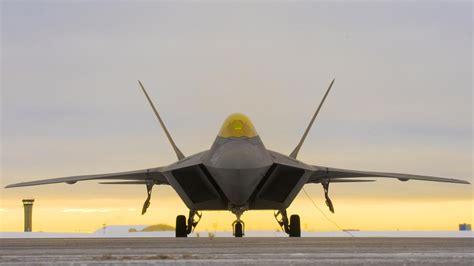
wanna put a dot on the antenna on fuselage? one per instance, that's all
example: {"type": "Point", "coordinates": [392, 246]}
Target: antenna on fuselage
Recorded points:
{"type": "Point", "coordinates": [175, 148]}
{"type": "Point", "coordinates": [294, 153]}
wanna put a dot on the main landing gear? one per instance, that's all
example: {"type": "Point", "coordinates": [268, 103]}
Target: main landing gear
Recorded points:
{"type": "Point", "coordinates": [183, 227]}
{"type": "Point", "coordinates": [291, 227]}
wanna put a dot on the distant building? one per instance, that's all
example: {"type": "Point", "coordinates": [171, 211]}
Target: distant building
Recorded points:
{"type": "Point", "coordinates": [28, 207]}
{"type": "Point", "coordinates": [464, 227]}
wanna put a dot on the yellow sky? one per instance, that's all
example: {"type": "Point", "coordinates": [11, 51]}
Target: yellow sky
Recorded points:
{"type": "Point", "coordinates": [80, 214]}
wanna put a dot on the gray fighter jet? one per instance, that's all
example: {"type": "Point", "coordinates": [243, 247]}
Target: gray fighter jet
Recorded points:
{"type": "Point", "coordinates": [237, 174]}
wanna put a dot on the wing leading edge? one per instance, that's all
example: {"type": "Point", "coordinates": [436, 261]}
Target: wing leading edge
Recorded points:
{"type": "Point", "coordinates": [323, 172]}
{"type": "Point", "coordinates": [152, 174]}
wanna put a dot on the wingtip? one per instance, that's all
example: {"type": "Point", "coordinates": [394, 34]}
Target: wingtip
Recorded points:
{"type": "Point", "coordinates": [460, 181]}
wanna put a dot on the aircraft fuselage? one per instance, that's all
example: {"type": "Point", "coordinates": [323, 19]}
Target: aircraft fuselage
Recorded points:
{"type": "Point", "coordinates": [238, 172]}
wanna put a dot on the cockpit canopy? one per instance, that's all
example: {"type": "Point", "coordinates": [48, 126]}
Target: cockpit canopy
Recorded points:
{"type": "Point", "coordinates": [237, 125]}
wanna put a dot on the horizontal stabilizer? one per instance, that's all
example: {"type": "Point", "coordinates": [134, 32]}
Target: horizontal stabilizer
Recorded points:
{"type": "Point", "coordinates": [337, 180]}
{"type": "Point", "coordinates": [350, 180]}
{"type": "Point", "coordinates": [322, 172]}
{"type": "Point", "coordinates": [124, 183]}
{"type": "Point", "coordinates": [153, 174]}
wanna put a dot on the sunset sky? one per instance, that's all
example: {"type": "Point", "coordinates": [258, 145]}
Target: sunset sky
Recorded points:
{"type": "Point", "coordinates": [71, 105]}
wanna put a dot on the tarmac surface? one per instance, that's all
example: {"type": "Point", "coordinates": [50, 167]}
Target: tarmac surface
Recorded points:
{"type": "Point", "coordinates": [243, 251]}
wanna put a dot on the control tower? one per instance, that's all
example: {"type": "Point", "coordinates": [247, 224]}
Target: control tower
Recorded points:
{"type": "Point", "coordinates": [28, 207]}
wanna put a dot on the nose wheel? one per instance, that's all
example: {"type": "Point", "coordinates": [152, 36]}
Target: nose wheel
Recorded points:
{"type": "Point", "coordinates": [239, 228]}
{"type": "Point", "coordinates": [238, 225]}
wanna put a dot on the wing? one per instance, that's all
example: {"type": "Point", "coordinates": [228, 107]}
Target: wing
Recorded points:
{"type": "Point", "coordinates": [145, 175]}
{"type": "Point", "coordinates": [322, 172]}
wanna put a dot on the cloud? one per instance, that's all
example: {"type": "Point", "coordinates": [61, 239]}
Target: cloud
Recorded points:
{"type": "Point", "coordinates": [89, 210]}
{"type": "Point", "coordinates": [3, 210]}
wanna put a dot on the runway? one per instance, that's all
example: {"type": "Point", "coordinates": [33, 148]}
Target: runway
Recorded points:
{"type": "Point", "coordinates": [244, 251]}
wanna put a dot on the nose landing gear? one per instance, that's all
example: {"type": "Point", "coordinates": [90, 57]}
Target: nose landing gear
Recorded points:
{"type": "Point", "coordinates": [238, 225]}
{"type": "Point", "coordinates": [291, 227]}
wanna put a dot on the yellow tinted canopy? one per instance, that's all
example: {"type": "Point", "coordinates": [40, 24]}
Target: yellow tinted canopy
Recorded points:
{"type": "Point", "coordinates": [237, 125]}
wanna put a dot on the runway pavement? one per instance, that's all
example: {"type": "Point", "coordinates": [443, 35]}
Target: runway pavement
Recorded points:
{"type": "Point", "coordinates": [244, 251]}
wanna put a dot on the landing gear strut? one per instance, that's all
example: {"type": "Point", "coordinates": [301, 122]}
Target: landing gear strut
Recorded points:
{"type": "Point", "coordinates": [183, 227]}
{"type": "Point", "coordinates": [291, 227]}
{"type": "Point", "coordinates": [238, 225]}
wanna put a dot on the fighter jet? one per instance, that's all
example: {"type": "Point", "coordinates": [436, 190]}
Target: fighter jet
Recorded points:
{"type": "Point", "coordinates": [238, 173]}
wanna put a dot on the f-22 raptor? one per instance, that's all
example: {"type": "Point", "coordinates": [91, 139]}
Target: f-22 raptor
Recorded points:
{"type": "Point", "coordinates": [238, 174]}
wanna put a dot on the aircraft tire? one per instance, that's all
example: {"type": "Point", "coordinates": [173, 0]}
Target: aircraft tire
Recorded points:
{"type": "Point", "coordinates": [181, 226]}
{"type": "Point", "coordinates": [238, 230]}
{"type": "Point", "coordinates": [295, 227]}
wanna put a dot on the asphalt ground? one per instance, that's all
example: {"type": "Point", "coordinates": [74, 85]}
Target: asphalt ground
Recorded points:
{"type": "Point", "coordinates": [243, 251]}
